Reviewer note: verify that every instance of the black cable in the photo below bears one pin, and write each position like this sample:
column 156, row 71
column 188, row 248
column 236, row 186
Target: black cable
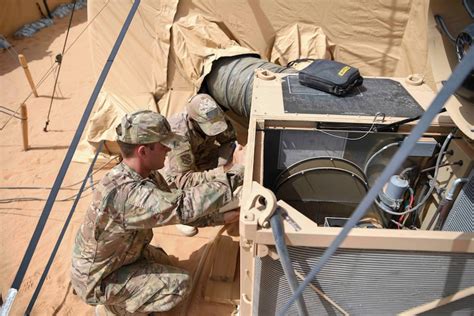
column 59, row 59
column 65, row 165
column 469, row 6
column 458, row 163
column 65, row 187
column 40, row 10
column 278, row 231
column 393, row 127
column 45, row 2
column 61, row 234
column 29, row 199
column 440, row 23
column 10, row 112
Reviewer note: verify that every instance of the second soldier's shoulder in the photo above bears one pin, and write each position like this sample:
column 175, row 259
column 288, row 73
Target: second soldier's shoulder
column 179, row 123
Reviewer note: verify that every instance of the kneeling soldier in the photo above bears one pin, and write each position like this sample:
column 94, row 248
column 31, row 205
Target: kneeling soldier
column 113, row 263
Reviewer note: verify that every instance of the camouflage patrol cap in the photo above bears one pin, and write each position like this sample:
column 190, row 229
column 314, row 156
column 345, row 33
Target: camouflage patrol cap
column 206, row 112
column 146, row 127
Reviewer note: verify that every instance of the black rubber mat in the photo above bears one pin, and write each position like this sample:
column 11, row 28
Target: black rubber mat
column 375, row 95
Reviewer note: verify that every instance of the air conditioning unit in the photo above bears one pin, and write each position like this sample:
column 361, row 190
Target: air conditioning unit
column 314, row 156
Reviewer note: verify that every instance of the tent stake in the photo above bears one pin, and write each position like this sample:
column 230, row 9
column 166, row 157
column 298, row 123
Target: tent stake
column 24, row 126
column 24, row 64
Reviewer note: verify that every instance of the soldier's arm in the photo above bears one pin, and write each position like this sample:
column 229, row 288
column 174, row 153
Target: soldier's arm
column 146, row 206
column 181, row 169
column 234, row 170
column 192, row 178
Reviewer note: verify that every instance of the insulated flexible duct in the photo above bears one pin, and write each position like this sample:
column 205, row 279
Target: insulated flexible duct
column 230, row 81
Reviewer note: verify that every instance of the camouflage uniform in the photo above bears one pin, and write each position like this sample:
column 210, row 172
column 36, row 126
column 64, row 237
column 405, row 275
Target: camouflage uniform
column 113, row 262
column 195, row 159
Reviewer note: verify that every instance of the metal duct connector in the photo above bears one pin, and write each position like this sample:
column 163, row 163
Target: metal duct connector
column 230, row 81
column 446, row 204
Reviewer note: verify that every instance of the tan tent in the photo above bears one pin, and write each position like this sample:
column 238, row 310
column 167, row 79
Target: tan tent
column 171, row 45
column 16, row 13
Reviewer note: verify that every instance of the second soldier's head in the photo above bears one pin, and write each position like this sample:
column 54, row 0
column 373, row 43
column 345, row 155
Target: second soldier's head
column 206, row 113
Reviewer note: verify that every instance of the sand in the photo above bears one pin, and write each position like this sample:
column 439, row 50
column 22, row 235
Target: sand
column 39, row 166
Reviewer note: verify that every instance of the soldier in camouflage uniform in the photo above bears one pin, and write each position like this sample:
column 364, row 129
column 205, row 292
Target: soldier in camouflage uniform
column 113, row 263
column 209, row 140
column 207, row 136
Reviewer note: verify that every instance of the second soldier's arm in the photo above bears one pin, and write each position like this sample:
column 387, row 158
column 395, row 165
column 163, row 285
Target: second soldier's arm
column 146, row 206
column 181, row 169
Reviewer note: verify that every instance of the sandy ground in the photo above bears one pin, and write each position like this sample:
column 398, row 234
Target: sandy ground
column 39, row 166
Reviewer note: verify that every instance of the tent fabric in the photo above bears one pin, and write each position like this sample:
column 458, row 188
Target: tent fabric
column 301, row 40
column 108, row 111
column 16, row 13
column 141, row 64
column 169, row 41
column 197, row 42
column 171, row 45
column 368, row 33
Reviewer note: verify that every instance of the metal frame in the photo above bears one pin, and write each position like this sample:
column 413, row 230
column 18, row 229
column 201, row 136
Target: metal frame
column 267, row 113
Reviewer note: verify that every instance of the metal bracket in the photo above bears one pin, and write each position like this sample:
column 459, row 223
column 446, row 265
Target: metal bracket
column 265, row 209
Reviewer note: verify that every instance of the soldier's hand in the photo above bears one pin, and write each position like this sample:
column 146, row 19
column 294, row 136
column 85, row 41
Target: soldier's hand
column 239, row 155
column 237, row 158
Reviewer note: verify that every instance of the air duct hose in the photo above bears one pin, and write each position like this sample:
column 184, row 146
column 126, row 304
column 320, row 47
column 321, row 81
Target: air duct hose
column 230, row 81
column 279, row 235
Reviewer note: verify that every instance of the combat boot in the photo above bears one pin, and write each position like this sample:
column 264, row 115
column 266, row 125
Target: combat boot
column 186, row 230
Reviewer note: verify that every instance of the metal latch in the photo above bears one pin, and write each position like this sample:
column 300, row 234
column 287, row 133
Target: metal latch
column 266, row 206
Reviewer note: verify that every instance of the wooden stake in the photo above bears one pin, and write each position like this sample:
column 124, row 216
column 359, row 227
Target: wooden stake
column 24, row 126
column 24, row 64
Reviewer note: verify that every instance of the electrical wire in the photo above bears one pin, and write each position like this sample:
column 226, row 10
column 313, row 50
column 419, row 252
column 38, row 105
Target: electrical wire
column 31, row 188
column 432, row 182
column 15, row 112
column 403, row 218
column 31, row 199
column 387, row 210
column 356, row 138
column 442, row 151
column 95, row 171
column 402, row 225
column 9, row 112
column 62, row 233
column 369, row 161
column 456, row 163
column 66, row 187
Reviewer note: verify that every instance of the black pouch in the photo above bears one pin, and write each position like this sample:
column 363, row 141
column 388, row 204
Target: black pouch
column 330, row 76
